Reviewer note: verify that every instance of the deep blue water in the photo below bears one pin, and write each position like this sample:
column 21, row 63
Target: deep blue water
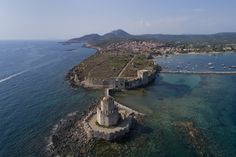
column 33, row 93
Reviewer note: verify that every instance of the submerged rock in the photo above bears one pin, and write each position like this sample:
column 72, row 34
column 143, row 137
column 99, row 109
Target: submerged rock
column 195, row 138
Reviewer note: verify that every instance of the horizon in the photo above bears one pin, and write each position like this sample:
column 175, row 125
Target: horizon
column 51, row 39
column 61, row 20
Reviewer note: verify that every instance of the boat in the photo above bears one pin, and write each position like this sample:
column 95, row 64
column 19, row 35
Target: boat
column 212, row 67
column 209, row 64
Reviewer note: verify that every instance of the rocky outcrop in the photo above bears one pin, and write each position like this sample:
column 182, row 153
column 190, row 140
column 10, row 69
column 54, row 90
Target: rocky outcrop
column 74, row 136
column 68, row 137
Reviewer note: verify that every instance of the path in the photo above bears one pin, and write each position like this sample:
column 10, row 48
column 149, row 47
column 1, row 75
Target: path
column 200, row 72
column 123, row 70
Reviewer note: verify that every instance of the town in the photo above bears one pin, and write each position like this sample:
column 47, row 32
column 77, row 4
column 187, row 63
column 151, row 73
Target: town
column 162, row 48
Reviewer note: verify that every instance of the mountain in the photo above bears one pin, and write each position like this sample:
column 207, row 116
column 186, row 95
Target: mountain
column 95, row 39
column 117, row 34
column 120, row 35
column 86, row 38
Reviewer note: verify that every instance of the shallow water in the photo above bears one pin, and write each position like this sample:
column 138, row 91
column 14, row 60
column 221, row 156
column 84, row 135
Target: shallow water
column 209, row 102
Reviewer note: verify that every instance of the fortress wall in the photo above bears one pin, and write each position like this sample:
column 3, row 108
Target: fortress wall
column 87, row 128
column 130, row 84
column 130, row 111
column 112, row 135
column 138, row 82
column 123, row 83
column 94, row 81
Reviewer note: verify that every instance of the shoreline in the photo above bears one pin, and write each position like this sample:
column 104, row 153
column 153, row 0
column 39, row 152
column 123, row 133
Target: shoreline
column 70, row 135
column 195, row 53
column 69, row 132
column 77, row 76
column 185, row 53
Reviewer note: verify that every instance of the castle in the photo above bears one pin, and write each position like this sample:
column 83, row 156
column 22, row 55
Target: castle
column 110, row 121
column 107, row 112
column 143, row 78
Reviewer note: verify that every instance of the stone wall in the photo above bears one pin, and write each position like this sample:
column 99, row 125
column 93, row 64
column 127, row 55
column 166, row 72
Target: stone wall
column 107, row 120
column 116, row 83
column 140, row 81
column 99, row 134
column 112, row 135
column 124, row 83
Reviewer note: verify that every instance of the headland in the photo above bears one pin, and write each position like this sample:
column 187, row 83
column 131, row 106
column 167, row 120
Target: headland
column 117, row 65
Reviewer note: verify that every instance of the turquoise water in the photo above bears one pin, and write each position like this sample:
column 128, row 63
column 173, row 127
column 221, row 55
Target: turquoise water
column 33, row 93
column 208, row 102
column 34, row 97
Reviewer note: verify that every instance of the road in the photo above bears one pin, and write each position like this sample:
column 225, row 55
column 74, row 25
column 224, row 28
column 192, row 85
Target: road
column 123, row 70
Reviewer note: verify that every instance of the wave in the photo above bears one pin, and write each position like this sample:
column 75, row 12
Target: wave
column 12, row 76
column 33, row 68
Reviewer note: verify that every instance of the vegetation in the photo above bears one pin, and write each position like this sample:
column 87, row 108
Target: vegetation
column 140, row 62
column 108, row 65
column 199, row 43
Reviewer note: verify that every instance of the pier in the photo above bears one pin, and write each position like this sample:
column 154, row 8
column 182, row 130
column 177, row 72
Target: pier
column 200, row 72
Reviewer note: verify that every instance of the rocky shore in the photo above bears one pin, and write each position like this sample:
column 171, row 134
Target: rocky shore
column 68, row 137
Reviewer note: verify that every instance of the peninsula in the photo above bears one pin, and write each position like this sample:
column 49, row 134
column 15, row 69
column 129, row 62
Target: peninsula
column 122, row 62
column 159, row 44
column 107, row 119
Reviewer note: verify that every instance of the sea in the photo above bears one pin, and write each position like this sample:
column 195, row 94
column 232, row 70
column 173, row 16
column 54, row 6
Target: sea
column 186, row 114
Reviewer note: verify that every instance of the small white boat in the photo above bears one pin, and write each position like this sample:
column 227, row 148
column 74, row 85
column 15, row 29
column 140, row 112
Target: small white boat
column 210, row 64
column 212, row 67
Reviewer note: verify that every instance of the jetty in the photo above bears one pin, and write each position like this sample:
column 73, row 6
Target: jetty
column 200, row 72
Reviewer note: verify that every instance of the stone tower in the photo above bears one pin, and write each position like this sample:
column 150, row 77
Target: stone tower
column 143, row 75
column 107, row 112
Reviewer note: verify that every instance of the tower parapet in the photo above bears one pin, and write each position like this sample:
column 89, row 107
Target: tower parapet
column 143, row 75
column 107, row 112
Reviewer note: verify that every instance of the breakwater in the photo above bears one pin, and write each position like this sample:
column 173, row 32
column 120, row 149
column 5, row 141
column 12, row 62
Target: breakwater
column 201, row 72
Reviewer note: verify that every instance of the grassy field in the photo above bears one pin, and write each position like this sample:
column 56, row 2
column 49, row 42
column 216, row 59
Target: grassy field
column 107, row 65
column 140, row 62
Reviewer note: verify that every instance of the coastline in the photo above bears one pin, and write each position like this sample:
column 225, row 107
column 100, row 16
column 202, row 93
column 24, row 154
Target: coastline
column 70, row 135
column 74, row 131
column 87, row 144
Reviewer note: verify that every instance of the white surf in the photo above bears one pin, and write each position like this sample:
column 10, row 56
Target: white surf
column 12, row 76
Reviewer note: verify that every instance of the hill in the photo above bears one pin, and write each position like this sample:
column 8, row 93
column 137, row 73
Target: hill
column 120, row 35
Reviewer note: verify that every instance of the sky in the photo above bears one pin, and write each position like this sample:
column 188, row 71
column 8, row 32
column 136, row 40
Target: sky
column 65, row 19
